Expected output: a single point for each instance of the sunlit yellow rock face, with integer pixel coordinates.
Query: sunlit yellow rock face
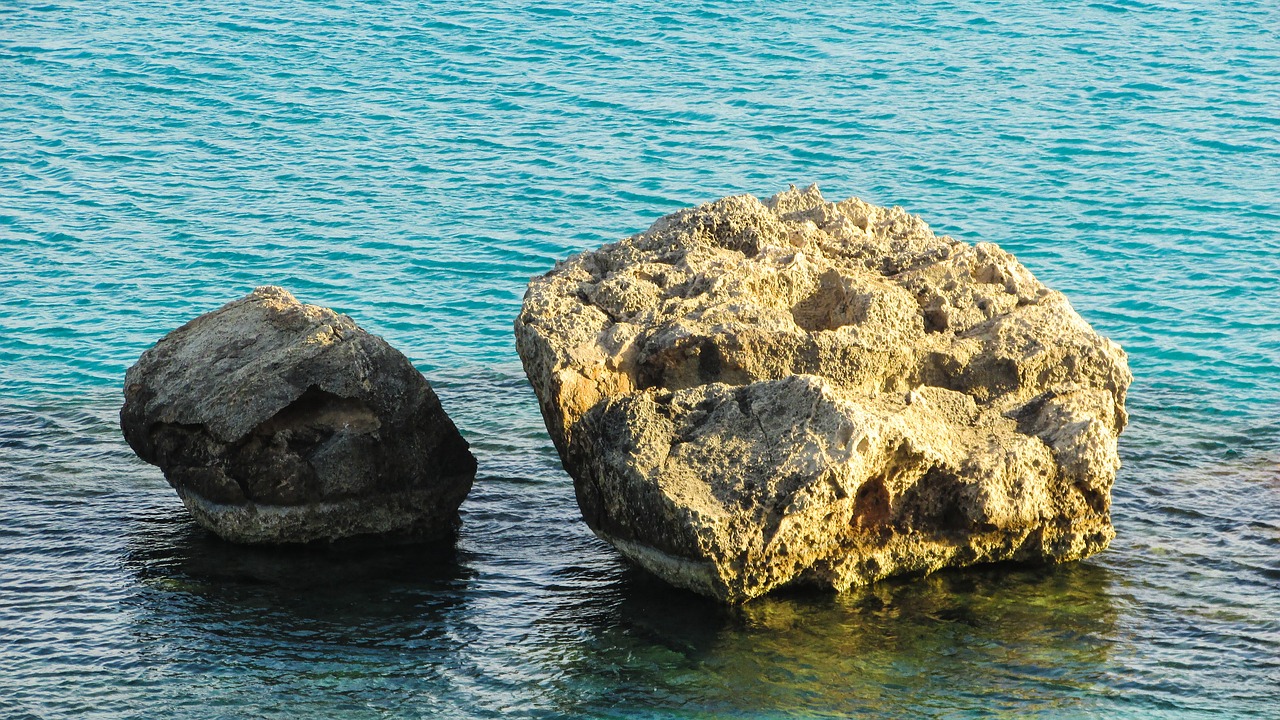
(756, 394)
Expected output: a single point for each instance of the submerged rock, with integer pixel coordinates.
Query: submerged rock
(797, 392)
(278, 422)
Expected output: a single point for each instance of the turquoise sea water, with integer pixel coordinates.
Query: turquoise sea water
(413, 164)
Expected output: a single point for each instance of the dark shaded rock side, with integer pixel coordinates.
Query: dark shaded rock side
(278, 422)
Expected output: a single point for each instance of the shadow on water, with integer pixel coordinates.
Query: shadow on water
(1024, 640)
(173, 553)
(303, 631)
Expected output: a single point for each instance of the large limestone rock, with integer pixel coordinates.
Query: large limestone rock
(751, 395)
(279, 422)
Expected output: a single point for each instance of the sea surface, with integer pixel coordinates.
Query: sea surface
(413, 164)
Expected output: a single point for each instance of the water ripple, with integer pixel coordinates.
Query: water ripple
(413, 164)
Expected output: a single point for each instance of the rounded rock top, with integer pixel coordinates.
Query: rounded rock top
(281, 422)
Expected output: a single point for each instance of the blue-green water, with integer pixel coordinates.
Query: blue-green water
(413, 164)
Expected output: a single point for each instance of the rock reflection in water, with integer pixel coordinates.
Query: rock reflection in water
(296, 632)
(1022, 640)
(171, 552)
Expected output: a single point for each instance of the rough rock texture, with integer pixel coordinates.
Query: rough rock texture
(279, 422)
(750, 395)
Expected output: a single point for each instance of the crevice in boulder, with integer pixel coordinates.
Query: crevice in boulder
(830, 306)
(871, 504)
(317, 412)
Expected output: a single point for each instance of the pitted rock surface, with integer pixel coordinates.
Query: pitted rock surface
(279, 422)
(750, 395)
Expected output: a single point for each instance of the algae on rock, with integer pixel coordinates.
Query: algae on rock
(751, 395)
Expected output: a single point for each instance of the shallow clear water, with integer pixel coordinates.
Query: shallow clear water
(413, 164)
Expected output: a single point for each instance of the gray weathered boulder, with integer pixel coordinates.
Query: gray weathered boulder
(278, 422)
(797, 392)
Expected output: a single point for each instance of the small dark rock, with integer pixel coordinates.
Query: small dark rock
(279, 422)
